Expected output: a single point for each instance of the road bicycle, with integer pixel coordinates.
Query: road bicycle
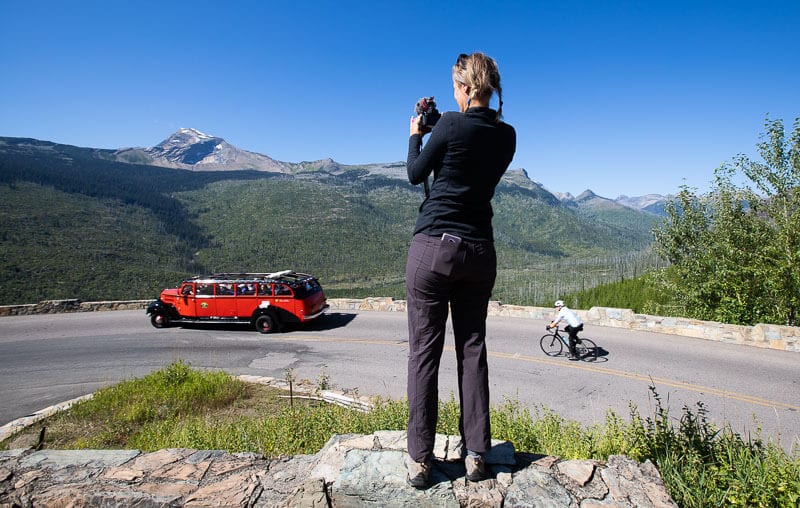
(555, 344)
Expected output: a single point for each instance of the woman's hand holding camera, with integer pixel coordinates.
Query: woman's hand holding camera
(416, 126)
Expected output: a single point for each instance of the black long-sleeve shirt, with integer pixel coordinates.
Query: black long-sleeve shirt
(468, 154)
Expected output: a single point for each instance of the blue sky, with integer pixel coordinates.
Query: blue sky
(621, 97)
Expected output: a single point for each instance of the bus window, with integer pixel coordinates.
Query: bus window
(282, 290)
(245, 289)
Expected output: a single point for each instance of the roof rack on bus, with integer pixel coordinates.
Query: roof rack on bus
(275, 275)
(247, 275)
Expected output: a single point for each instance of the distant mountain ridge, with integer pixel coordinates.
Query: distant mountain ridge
(188, 148)
(191, 149)
(649, 203)
(653, 203)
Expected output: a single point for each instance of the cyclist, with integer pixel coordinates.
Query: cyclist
(574, 325)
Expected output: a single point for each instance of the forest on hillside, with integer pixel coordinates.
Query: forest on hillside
(74, 224)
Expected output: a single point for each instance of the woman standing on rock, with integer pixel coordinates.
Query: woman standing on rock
(452, 262)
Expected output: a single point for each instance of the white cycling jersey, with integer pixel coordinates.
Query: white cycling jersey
(568, 315)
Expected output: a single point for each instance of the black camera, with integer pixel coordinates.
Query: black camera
(426, 107)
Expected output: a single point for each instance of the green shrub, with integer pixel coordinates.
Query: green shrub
(641, 294)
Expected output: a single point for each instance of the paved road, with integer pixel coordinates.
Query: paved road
(47, 359)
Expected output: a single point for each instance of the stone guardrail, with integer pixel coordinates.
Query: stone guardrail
(71, 305)
(785, 338)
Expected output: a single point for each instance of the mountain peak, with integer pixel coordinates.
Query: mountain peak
(587, 194)
(653, 203)
(187, 136)
(188, 148)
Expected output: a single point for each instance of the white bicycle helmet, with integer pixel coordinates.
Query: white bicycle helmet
(559, 303)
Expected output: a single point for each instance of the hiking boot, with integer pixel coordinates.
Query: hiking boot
(418, 473)
(476, 468)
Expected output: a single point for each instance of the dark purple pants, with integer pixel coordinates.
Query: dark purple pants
(466, 290)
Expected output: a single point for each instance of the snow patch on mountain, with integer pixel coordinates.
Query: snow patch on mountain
(189, 148)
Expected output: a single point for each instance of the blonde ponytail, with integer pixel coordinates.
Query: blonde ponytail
(479, 72)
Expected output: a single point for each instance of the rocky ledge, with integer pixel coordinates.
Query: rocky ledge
(350, 470)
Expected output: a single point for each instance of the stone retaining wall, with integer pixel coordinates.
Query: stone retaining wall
(71, 305)
(350, 470)
(785, 338)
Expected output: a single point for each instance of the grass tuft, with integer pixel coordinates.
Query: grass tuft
(116, 414)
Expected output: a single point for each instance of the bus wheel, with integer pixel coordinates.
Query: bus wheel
(265, 323)
(159, 320)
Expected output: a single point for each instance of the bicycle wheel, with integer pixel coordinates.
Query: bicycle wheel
(551, 345)
(587, 350)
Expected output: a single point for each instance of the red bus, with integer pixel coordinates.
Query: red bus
(268, 301)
